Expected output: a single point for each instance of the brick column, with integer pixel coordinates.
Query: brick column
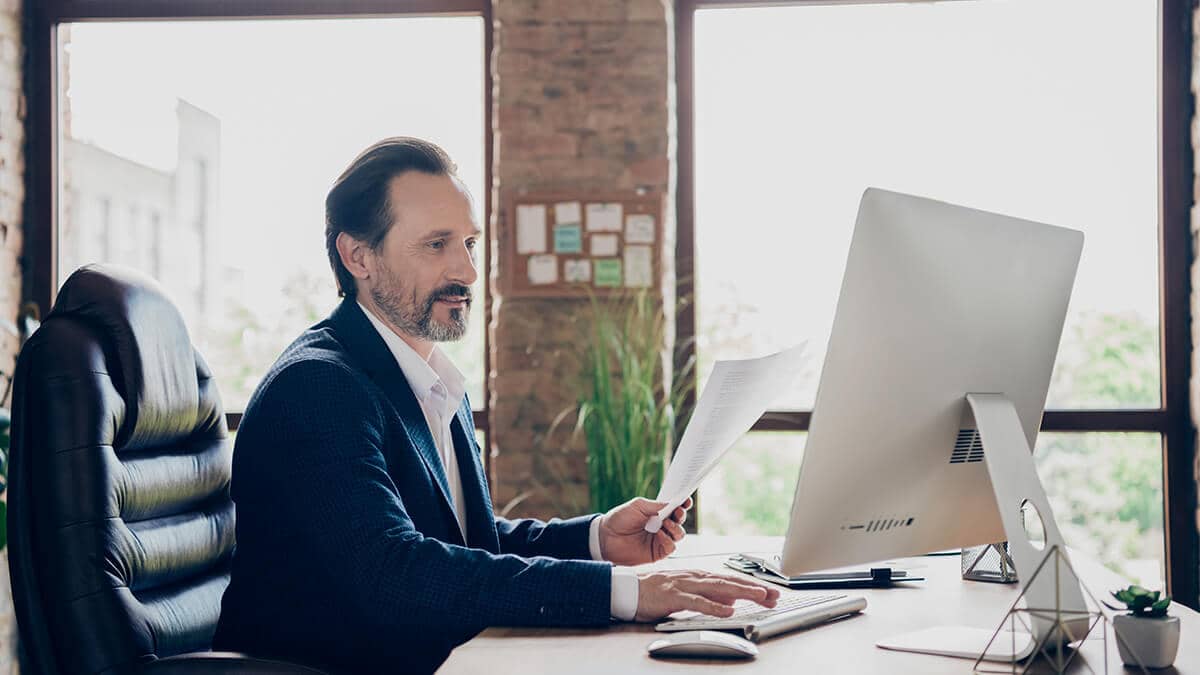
(583, 101)
(12, 198)
(12, 187)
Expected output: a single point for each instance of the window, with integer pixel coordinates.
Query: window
(754, 496)
(780, 135)
(207, 167)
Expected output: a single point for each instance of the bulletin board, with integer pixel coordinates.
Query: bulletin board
(570, 244)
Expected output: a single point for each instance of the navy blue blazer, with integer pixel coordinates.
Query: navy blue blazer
(349, 557)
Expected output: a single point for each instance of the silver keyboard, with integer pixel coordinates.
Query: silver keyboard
(746, 612)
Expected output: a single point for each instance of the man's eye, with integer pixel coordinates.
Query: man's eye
(471, 243)
(437, 244)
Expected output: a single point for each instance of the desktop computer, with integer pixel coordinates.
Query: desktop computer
(937, 302)
(930, 400)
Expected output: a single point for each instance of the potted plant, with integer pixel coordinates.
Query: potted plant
(1146, 636)
(626, 406)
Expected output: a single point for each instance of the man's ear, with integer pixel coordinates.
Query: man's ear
(354, 255)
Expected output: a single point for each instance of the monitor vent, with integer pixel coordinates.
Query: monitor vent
(881, 524)
(968, 447)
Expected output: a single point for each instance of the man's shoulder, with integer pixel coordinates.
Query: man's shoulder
(318, 344)
(312, 364)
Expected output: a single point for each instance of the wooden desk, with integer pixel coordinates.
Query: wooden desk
(846, 646)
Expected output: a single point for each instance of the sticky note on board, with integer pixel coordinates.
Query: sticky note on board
(608, 272)
(638, 267)
(575, 271)
(604, 217)
(639, 228)
(566, 213)
(604, 245)
(568, 238)
(531, 228)
(542, 269)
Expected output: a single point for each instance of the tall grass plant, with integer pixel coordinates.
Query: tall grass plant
(626, 408)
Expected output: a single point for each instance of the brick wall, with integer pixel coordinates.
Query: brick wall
(12, 195)
(12, 190)
(582, 102)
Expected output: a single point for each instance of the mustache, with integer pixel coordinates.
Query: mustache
(451, 291)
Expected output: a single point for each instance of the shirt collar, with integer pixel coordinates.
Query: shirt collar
(425, 377)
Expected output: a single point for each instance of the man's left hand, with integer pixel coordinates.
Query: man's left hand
(623, 536)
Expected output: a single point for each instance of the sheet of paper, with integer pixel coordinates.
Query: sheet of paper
(568, 213)
(604, 217)
(568, 239)
(639, 228)
(638, 269)
(608, 272)
(531, 228)
(543, 269)
(575, 271)
(604, 245)
(736, 395)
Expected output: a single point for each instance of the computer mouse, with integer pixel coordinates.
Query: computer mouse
(704, 644)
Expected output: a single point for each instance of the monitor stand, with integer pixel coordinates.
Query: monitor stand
(1015, 482)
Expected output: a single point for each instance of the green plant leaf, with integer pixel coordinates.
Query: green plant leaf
(626, 407)
(1143, 602)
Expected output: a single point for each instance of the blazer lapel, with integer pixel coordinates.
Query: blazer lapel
(481, 521)
(365, 343)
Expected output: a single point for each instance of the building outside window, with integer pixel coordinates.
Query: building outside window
(230, 133)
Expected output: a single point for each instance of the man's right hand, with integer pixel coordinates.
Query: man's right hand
(661, 593)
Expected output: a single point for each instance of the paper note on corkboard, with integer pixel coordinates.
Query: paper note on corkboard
(543, 269)
(608, 272)
(531, 228)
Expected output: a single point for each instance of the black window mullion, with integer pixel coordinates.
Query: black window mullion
(63, 11)
(1176, 176)
(1054, 420)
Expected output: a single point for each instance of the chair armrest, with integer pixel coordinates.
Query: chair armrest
(223, 663)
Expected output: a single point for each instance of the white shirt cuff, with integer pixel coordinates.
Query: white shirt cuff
(594, 538)
(623, 599)
(624, 596)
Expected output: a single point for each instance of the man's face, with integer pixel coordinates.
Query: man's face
(422, 273)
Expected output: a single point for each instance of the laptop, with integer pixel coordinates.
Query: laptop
(770, 569)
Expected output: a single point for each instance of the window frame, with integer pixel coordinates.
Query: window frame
(1172, 419)
(42, 84)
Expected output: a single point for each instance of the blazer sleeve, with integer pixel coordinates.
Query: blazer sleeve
(565, 539)
(328, 478)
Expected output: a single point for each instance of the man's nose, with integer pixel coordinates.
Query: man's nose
(463, 270)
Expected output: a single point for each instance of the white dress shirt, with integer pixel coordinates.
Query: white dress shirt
(439, 387)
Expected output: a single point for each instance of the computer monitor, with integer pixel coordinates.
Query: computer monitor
(938, 302)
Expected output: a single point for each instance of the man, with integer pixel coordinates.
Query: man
(366, 537)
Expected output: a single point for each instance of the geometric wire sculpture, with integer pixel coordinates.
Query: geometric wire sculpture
(1052, 649)
(990, 562)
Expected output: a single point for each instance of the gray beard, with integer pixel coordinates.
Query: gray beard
(416, 319)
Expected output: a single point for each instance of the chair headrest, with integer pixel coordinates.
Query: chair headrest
(144, 332)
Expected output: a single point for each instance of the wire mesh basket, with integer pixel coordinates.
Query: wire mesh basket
(990, 562)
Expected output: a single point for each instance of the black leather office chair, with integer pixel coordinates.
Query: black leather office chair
(121, 528)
